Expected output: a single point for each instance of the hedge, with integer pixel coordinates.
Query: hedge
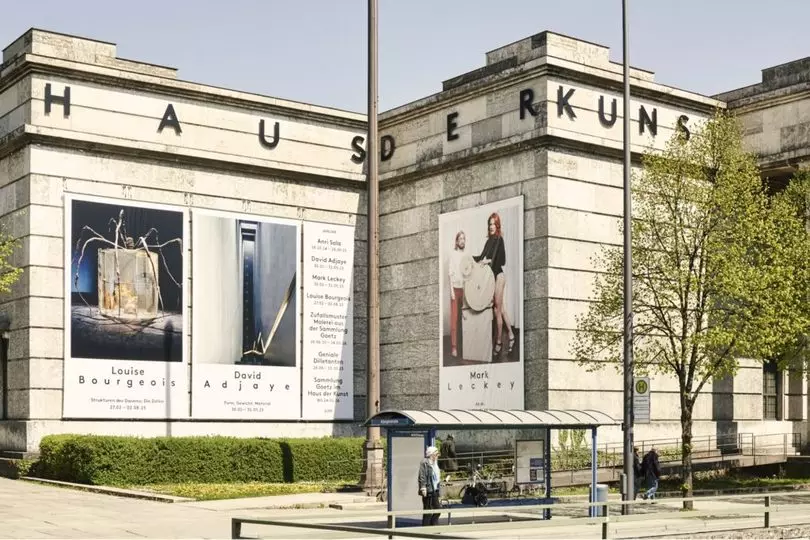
(108, 460)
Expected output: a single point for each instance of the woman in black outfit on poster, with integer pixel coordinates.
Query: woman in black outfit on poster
(494, 254)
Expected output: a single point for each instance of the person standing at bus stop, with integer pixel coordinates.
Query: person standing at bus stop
(429, 475)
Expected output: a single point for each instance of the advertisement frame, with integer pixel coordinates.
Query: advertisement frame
(522, 444)
(444, 220)
(298, 224)
(352, 371)
(67, 260)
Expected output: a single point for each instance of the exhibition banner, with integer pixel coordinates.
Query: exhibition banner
(125, 314)
(328, 386)
(245, 317)
(481, 307)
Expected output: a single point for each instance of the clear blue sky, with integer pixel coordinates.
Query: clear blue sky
(315, 50)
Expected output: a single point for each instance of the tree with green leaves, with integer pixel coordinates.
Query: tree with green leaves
(719, 270)
(9, 274)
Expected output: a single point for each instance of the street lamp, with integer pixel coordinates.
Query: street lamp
(5, 325)
(372, 476)
(627, 422)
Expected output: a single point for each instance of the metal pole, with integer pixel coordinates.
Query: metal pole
(373, 454)
(629, 493)
(594, 478)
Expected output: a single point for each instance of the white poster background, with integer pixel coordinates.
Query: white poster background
(483, 385)
(122, 389)
(525, 452)
(328, 348)
(407, 454)
(222, 389)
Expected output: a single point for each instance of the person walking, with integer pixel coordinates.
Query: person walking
(429, 475)
(651, 468)
(638, 474)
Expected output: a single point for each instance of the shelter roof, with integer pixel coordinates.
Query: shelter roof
(491, 419)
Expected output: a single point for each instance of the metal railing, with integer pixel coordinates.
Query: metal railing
(513, 518)
(498, 465)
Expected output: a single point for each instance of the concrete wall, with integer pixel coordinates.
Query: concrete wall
(774, 114)
(409, 301)
(563, 159)
(109, 146)
(567, 165)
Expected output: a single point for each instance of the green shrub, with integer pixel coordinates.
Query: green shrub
(107, 460)
(17, 468)
(310, 460)
(51, 463)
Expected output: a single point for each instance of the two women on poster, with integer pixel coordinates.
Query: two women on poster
(477, 280)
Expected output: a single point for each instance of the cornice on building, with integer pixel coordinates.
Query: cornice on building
(777, 83)
(549, 53)
(88, 60)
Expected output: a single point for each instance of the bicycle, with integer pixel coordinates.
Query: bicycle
(475, 492)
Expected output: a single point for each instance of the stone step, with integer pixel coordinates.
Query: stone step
(368, 504)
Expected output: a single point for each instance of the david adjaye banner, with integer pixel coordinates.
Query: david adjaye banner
(125, 310)
(481, 307)
(328, 385)
(245, 331)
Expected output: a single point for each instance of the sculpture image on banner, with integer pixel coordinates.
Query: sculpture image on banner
(481, 306)
(125, 352)
(245, 335)
(328, 366)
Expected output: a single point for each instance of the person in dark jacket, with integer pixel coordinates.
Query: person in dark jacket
(429, 475)
(651, 468)
(638, 474)
(449, 462)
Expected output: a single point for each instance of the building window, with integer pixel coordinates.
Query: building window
(771, 391)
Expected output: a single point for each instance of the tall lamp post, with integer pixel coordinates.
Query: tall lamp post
(5, 324)
(372, 477)
(627, 422)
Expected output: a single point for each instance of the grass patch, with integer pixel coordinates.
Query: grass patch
(212, 492)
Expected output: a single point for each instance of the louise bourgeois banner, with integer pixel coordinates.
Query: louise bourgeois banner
(245, 334)
(481, 307)
(125, 315)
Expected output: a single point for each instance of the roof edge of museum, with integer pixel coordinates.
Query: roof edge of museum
(89, 59)
(553, 54)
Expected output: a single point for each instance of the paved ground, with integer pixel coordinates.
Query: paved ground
(29, 510)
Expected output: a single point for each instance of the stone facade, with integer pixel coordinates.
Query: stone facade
(108, 145)
(564, 157)
(542, 120)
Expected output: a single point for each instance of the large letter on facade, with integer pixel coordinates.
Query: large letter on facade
(644, 119)
(359, 152)
(526, 103)
(170, 119)
(63, 100)
(605, 121)
(387, 147)
(562, 102)
(681, 128)
(451, 126)
(263, 137)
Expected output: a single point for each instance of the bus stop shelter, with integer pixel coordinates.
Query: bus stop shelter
(410, 432)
